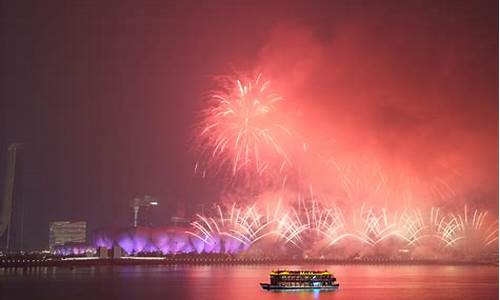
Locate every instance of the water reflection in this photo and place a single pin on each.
(242, 282)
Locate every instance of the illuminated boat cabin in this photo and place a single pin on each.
(290, 279)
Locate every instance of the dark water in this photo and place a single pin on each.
(242, 282)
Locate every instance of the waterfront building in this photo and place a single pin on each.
(63, 232)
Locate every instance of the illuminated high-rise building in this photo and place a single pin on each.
(63, 232)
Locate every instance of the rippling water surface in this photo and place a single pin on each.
(242, 282)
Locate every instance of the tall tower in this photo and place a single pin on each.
(142, 205)
(6, 207)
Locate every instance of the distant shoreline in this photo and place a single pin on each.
(15, 263)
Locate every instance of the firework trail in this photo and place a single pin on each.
(444, 228)
(373, 227)
(411, 226)
(240, 130)
(472, 232)
(235, 228)
(359, 181)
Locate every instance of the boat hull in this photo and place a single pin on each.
(269, 287)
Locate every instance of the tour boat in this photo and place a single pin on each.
(301, 280)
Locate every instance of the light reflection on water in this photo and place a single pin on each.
(242, 282)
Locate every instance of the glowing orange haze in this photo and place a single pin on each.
(414, 112)
(346, 132)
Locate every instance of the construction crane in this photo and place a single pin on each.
(144, 203)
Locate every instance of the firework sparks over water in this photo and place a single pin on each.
(241, 226)
(244, 134)
(308, 225)
(471, 232)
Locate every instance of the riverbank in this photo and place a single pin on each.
(28, 262)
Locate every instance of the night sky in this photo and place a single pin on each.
(105, 96)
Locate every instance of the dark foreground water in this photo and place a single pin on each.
(242, 282)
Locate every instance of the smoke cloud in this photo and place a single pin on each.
(391, 138)
(391, 98)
